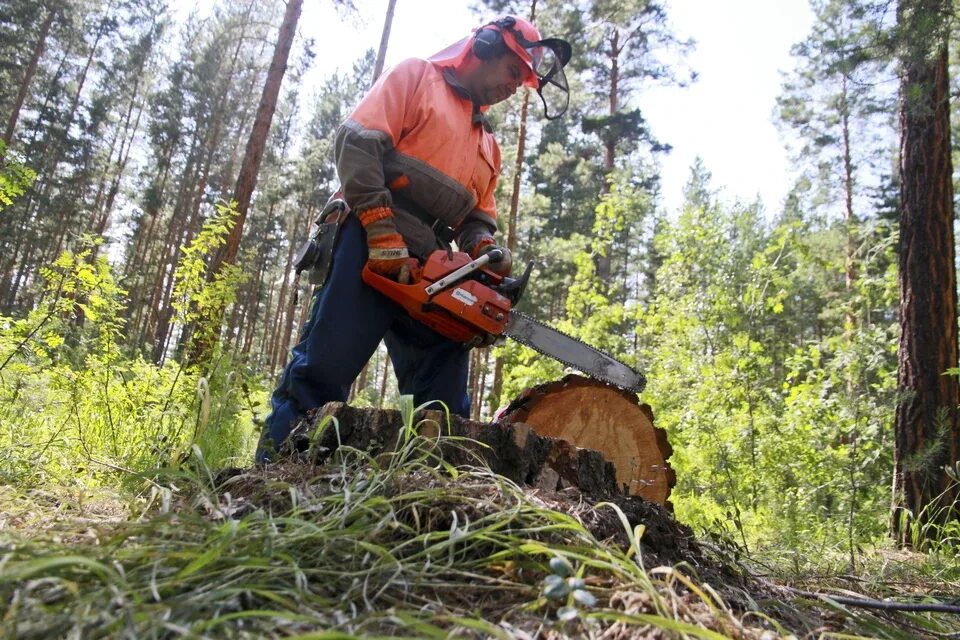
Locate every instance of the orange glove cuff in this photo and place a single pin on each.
(370, 216)
(485, 241)
(389, 246)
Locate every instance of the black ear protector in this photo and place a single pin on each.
(488, 42)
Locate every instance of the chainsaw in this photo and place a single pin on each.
(463, 300)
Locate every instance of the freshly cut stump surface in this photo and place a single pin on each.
(594, 415)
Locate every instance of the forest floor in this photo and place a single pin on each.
(406, 546)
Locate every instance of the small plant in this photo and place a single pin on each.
(936, 528)
(198, 300)
(562, 585)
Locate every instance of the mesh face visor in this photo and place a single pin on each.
(548, 57)
(552, 87)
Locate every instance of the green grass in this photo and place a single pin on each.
(401, 545)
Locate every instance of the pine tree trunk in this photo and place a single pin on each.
(361, 382)
(263, 350)
(473, 383)
(850, 274)
(29, 73)
(253, 305)
(927, 432)
(158, 324)
(497, 386)
(482, 385)
(383, 382)
(123, 156)
(286, 307)
(384, 40)
(603, 262)
(247, 180)
(279, 310)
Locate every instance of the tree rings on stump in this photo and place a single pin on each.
(593, 415)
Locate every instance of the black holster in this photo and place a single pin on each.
(316, 254)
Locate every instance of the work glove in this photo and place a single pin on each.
(501, 267)
(387, 253)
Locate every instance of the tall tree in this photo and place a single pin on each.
(927, 428)
(836, 101)
(28, 73)
(629, 41)
(384, 39)
(247, 180)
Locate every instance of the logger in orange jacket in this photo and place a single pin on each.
(418, 166)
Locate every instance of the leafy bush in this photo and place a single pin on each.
(74, 409)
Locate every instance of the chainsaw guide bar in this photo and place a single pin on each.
(465, 301)
(572, 352)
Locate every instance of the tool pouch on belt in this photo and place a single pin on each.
(316, 254)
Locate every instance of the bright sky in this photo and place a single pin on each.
(726, 117)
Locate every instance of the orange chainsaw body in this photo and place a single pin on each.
(468, 311)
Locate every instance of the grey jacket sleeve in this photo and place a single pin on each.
(474, 229)
(359, 156)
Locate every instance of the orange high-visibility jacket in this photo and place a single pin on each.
(413, 144)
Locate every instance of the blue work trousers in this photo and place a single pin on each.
(347, 321)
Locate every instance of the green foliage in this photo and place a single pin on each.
(596, 309)
(74, 409)
(15, 177)
(198, 300)
(776, 407)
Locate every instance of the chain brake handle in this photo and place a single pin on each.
(512, 288)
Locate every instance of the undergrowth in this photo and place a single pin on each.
(77, 408)
(399, 544)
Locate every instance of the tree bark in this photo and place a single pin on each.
(283, 344)
(604, 261)
(247, 180)
(280, 315)
(927, 433)
(383, 382)
(29, 73)
(384, 40)
(850, 272)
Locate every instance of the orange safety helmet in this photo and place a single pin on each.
(545, 58)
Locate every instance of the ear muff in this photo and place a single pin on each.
(488, 43)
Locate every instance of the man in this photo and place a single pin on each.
(418, 167)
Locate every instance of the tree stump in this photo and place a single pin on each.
(514, 451)
(594, 415)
